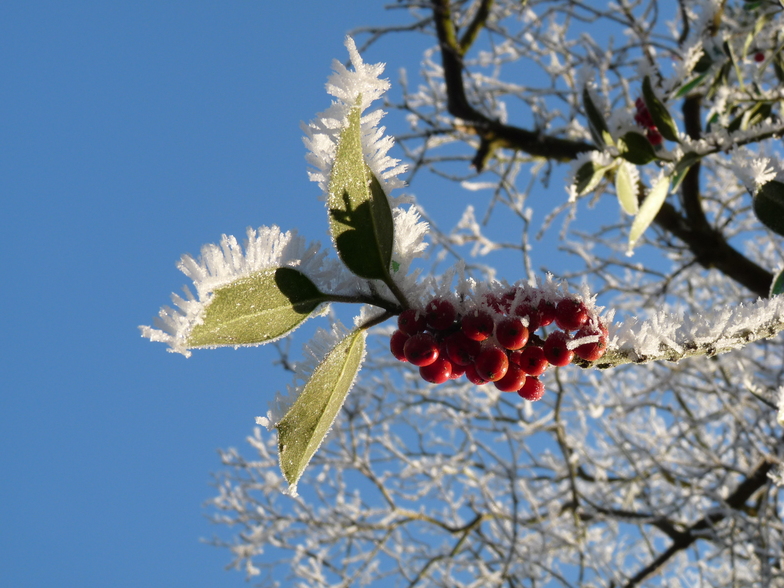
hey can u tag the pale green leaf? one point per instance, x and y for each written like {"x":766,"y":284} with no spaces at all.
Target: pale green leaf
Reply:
{"x":307,"y":422}
{"x":257,"y":309}
{"x":588,"y":177}
{"x":360,"y":217}
{"x":625,"y":188}
{"x":649,"y":209}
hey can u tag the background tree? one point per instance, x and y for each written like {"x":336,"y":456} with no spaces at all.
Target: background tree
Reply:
{"x":648,"y":473}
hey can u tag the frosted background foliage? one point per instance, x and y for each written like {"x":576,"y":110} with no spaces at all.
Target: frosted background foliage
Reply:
{"x":659,"y":474}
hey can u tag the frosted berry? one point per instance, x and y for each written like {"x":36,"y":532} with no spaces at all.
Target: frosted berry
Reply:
{"x":460,"y":349}
{"x":478,"y":325}
{"x":531,"y":360}
{"x":591,"y":351}
{"x":555,"y":349}
{"x":570,"y":314}
{"x":437,"y":372}
{"x":440,"y":314}
{"x":473,"y":377}
{"x":512,"y":381}
{"x":529,"y":311}
{"x":547,"y":311}
{"x":411,"y":321}
{"x":396,"y":344}
{"x":491,"y":364}
{"x":421,"y":349}
{"x":511,"y":333}
{"x":532,"y":389}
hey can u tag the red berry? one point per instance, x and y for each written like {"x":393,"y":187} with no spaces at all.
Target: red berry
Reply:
{"x":532,"y":389}
{"x":437,"y":372}
{"x":654,"y":137}
{"x":421,"y":349}
{"x":512,"y":381}
{"x":473,"y":377}
{"x":511,"y":333}
{"x":591,"y":351}
{"x":555,"y":349}
{"x":531,"y":360}
{"x":412,"y":321}
{"x":570,"y":314}
{"x":491,"y":364}
{"x":759,"y":57}
{"x":478,"y":324}
{"x":396,"y":344}
{"x":529,"y":311}
{"x":547,"y":311}
{"x":457,"y":371}
{"x":460,"y":349}
{"x":440,"y":314}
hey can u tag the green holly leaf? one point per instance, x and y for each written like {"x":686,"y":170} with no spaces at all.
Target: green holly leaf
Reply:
{"x":649,"y":209}
{"x":625,"y":189}
{"x":307,"y":422}
{"x":769,"y":206}
{"x":257,"y":309}
{"x":636,"y":148}
{"x":588,"y":177}
{"x":683,"y":165}
{"x":661,"y":117}
{"x":600,"y":133}
{"x":360,"y":217}
{"x":777,"y":286}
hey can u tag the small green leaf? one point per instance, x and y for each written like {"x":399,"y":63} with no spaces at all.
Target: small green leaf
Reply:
{"x":769,"y":206}
{"x":777,"y":286}
{"x":588,"y":177}
{"x":307,"y":422}
{"x":686,"y":88}
{"x":257,"y":309}
{"x":682,"y":167}
{"x":658,"y":110}
{"x":600,"y":133}
{"x":625,"y":188}
{"x":360,"y":217}
{"x":649,"y":209}
{"x":636,"y":148}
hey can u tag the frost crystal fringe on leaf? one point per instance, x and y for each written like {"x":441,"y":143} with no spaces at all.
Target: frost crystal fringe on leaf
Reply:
{"x":222,"y":264}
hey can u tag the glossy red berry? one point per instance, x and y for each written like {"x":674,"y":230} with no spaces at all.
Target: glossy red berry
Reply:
{"x":457,"y":371}
{"x":492,"y":364}
{"x":529,"y":311}
{"x":412,"y":321}
{"x":512,"y":381}
{"x":570,"y":314}
{"x":440,"y":314}
{"x":511,"y":333}
{"x":478,"y":324}
{"x":532,"y":389}
{"x":591,"y":351}
{"x":437,"y":372}
{"x":531,"y":360}
{"x":460,"y":349}
{"x":396,"y":344}
{"x":555,"y":349}
{"x":547,"y":311}
{"x":473,"y":377}
{"x":421,"y":349}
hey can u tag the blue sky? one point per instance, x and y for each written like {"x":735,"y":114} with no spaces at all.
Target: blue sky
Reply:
{"x":130,"y":133}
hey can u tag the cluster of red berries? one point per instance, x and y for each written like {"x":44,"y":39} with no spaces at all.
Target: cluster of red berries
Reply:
{"x":495,"y":340}
{"x":644,"y":119}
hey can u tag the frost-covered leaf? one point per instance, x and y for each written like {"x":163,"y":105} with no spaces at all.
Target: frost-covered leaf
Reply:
{"x":636,"y":148}
{"x":307,"y":422}
{"x":769,"y":206}
{"x":257,"y":309}
{"x":360,"y":217}
{"x":588,"y":177}
{"x":596,"y":123}
{"x":649,"y":209}
{"x":777,"y":286}
{"x":661,"y":117}
{"x":626,"y":188}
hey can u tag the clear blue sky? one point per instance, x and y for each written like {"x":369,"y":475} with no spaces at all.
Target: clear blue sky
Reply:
{"x":130,"y":133}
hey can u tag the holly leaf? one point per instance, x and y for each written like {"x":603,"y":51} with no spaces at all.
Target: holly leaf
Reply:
{"x":306,"y":424}
{"x":649,"y":209}
{"x":636,"y":148}
{"x":683,"y":165}
{"x":257,"y":309}
{"x":661,"y":117}
{"x":360,"y":218}
{"x":625,"y":189}
{"x":600,"y":133}
{"x":777,"y":286}
{"x":588,"y":177}
{"x":769,"y":206}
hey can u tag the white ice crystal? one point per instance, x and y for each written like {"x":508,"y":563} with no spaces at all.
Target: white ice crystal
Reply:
{"x":753,"y":172}
{"x":220,"y":265}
